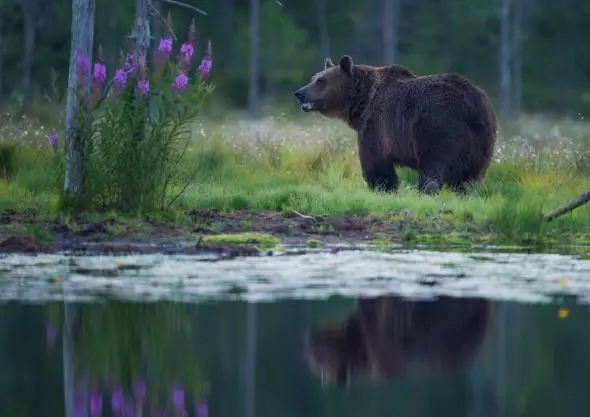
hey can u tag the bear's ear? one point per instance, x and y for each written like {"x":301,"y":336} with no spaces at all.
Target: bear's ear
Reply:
{"x":346,"y":64}
{"x":328,"y":63}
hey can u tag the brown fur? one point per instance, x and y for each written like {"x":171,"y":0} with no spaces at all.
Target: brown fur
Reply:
{"x":441,"y":125}
{"x":382,"y":336}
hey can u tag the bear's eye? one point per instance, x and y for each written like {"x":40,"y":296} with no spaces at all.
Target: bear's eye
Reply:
{"x":321,"y":82}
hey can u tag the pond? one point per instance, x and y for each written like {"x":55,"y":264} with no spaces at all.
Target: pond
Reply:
{"x":331,"y":333}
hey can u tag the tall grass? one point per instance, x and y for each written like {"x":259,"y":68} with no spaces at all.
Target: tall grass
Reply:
{"x":311,"y":165}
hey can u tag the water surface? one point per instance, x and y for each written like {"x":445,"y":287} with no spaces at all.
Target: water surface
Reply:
{"x":418,"y":333}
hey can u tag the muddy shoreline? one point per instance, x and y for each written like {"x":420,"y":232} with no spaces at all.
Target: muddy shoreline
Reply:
{"x":31,"y":233}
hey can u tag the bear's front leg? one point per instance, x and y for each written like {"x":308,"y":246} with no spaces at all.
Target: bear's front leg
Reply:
{"x":378,"y":170}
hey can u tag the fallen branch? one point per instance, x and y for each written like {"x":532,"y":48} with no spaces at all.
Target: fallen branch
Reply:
{"x":566,"y":208}
{"x":303,"y":216}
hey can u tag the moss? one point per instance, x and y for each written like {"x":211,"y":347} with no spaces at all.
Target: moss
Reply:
{"x":247,"y":238}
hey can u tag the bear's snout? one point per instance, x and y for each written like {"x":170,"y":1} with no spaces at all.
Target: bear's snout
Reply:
{"x":300,"y":95}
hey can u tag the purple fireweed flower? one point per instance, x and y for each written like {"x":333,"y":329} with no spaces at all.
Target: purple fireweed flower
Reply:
{"x":165,"y":46}
{"x":95,"y":404}
{"x":51,"y":334}
{"x":180,"y":82}
{"x":139,"y":390}
{"x":120,"y":79}
{"x":129,"y":61}
{"x":143,"y":86}
{"x":202,"y":409}
{"x":100,"y":73}
{"x":177,"y":396}
{"x":205,"y":66}
{"x":186,"y":52}
{"x":117,"y":400}
{"x":82,"y":64}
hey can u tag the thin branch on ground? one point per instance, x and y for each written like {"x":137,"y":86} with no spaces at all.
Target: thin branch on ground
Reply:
{"x":566,"y":208}
{"x":303,"y":216}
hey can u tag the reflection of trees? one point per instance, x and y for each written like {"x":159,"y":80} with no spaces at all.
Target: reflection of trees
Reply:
{"x":125,"y":355}
{"x":384,"y":335}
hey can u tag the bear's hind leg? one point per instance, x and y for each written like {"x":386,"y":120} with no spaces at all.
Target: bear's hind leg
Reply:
{"x":428,"y":184}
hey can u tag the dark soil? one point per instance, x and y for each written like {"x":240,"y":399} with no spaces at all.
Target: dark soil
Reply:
{"x":117,"y":235}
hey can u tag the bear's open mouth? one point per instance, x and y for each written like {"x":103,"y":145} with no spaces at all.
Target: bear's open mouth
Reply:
{"x":307,"y":106}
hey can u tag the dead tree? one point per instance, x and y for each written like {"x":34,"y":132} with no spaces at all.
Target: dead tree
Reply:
{"x":78,"y":96}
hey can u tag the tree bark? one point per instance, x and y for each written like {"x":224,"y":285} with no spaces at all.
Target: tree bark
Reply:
{"x":78,"y":98}
{"x":254,"y":93}
{"x":141,"y":31}
{"x":504,"y":61}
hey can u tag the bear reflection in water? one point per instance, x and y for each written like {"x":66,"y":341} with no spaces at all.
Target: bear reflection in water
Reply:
{"x":382,"y":336}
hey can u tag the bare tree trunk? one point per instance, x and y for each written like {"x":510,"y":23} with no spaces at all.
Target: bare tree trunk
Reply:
{"x":389,"y":29}
{"x":517,"y":56}
{"x":141,"y":31}
{"x":323,"y":28}
{"x":254,"y":94}
{"x":158,"y":31}
{"x":505,"y":87}
{"x":29,"y":9}
{"x":82,"y":32}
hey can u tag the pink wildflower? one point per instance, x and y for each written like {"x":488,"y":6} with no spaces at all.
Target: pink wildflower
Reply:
{"x":144,"y":87}
{"x":100,"y":73}
{"x":165,"y":46}
{"x":120,"y":79}
{"x":205,"y":66}
{"x":52,"y":141}
{"x":180,"y":82}
{"x":186,"y":52}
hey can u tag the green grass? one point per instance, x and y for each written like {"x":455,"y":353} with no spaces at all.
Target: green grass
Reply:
{"x":310,"y":165}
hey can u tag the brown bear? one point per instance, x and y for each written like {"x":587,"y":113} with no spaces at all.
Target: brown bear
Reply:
{"x":440,"y":125}
{"x":384,"y":335}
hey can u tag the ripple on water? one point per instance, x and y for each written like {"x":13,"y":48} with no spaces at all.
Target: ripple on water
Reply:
{"x":413,"y":273}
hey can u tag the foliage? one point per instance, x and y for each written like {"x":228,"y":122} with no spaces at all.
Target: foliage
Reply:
{"x":135,"y":143}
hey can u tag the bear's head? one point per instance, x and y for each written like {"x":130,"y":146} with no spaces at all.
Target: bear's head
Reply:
{"x":336,"y":353}
{"x":328,"y":90}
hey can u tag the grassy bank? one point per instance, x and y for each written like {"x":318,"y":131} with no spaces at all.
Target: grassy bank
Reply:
{"x":309,"y":165}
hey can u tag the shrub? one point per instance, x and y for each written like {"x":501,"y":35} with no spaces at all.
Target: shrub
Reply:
{"x":139,"y":129}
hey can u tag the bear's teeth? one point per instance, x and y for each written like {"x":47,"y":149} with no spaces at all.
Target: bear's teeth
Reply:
{"x":307,"y":106}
